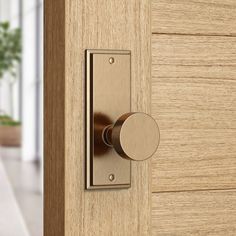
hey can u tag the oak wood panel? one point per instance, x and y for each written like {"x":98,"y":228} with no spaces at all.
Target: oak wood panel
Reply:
{"x":215,"y":17}
{"x":194,"y":213}
{"x":71,"y":27}
{"x":194,"y":102}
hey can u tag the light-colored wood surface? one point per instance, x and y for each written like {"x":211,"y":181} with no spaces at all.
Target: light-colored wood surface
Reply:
{"x":194,"y":102}
{"x":71,"y":27}
{"x":194,"y":213}
{"x":204,"y":17}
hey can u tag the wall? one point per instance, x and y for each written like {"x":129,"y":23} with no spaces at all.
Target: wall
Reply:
{"x":32,"y":79}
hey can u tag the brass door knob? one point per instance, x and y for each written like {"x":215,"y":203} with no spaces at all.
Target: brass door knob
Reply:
{"x":134,"y":136}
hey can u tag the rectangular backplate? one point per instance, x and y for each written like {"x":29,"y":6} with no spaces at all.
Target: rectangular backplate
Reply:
{"x":108,"y":96}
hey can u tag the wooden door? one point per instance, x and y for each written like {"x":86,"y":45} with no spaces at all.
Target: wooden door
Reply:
{"x":194,"y":101}
{"x":188,"y":186}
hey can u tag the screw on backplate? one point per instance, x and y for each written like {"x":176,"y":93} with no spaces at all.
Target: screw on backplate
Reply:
{"x":111,"y":177}
{"x":111,"y":60}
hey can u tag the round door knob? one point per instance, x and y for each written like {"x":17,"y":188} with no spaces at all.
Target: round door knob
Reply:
{"x":134,"y":136}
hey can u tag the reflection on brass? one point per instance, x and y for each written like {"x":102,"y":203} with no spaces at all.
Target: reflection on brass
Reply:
{"x":100,"y":122}
{"x":134,"y":136}
{"x":108,"y":86}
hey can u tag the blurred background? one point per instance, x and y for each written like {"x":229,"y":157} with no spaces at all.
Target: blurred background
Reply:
{"x":21,"y":117}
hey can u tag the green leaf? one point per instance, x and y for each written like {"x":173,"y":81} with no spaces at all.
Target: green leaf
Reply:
{"x":6,"y":120}
{"x":10,"y":48}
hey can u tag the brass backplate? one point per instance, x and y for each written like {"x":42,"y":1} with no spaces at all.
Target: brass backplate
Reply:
{"x":108,"y":96}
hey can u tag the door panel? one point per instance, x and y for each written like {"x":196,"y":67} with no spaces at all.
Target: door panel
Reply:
{"x":71,"y":27}
{"x":194,"y":102}
{"x":215,"y":17}
{"x":194,"y":213}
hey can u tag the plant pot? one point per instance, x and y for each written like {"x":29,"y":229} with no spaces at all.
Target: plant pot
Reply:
{"x":10,"y":136}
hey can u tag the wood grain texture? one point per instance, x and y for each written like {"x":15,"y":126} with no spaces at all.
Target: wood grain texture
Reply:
{"x":89,"y":24}
{"x":54,"y":118}
{"x":194,"y":102}
{"x":194,"y":213}
{"x":204,"y":17}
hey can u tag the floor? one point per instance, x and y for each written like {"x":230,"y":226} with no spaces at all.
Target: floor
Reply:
{"x":25,"y":179}
{"x":11,"y":220}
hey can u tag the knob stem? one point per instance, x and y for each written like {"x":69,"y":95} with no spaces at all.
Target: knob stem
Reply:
{"x":107,"y":135}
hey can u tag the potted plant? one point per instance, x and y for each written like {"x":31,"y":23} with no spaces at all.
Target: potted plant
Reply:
{"x":10,"y":132}
{"x":10,"y":56}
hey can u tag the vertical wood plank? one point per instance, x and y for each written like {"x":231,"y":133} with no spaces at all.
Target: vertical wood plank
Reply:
{"x":54,"y":118}
{"x":104,"y":24}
